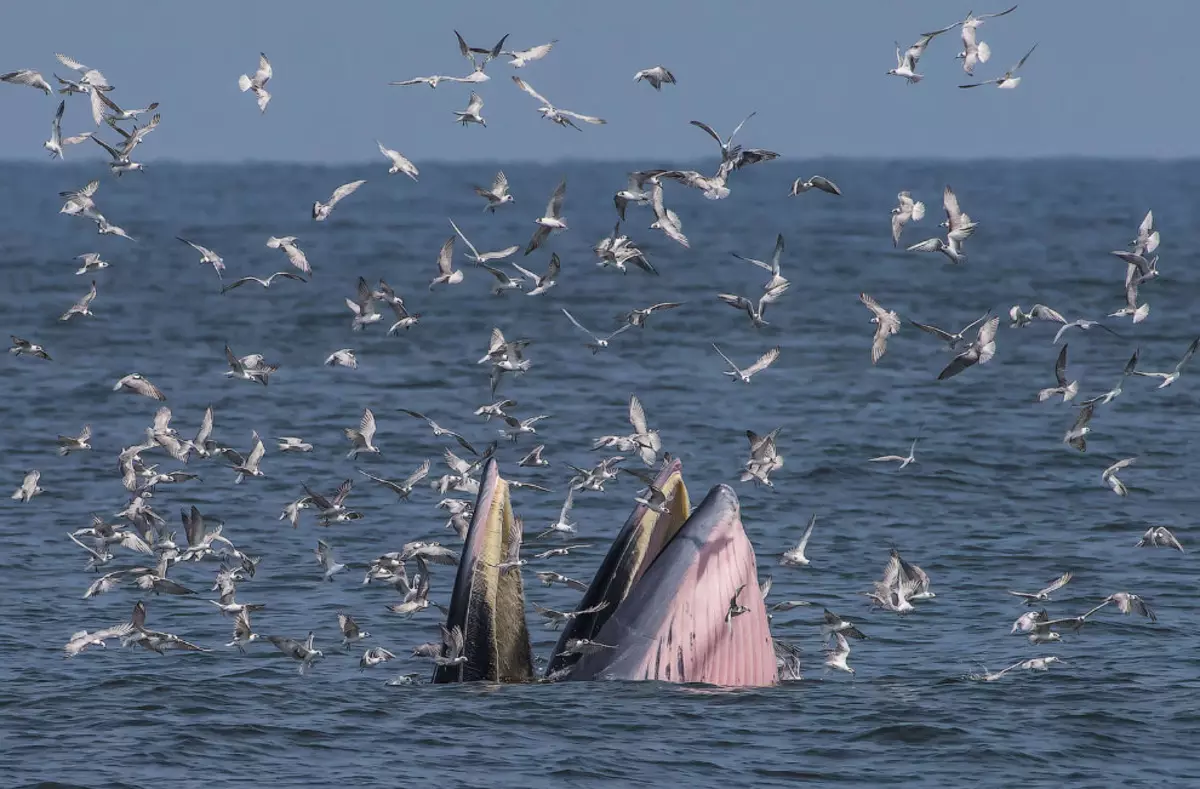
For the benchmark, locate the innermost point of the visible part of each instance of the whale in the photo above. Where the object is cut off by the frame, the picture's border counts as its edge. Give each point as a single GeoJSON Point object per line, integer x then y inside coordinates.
{"type": "Point", "coordinates": [680, 588]}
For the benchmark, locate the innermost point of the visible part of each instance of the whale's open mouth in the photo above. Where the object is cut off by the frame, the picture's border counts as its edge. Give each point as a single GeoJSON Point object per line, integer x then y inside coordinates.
{"type": "Point", "coordinates": [681, 589]}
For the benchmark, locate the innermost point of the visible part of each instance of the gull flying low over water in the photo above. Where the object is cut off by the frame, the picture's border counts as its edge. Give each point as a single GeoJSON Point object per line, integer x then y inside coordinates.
{"type": "Point", "coordinates": [91, 262]}
{"type": "Point", "coordinates": [1076, 436]}
{"type": "Point", "coordinates": [480, 259]}
{"type": "Point", "coordinates": [794, 557]}
{"type": "Point", "coordinates": [56, 142]}
{"type": "Point", "coordinates": [1039, 312]}
{"type": "Point", "coordinates": [321, 211]}
{"type": "Point", "coordinates": [887, 323]}
{"type": "Point", "coordinates": [249, 368]}
{"type": "Point", "coordinates": [207, 256]}
{"type": "Point", "coordinates": [471, 113]}
{"type": "Point", "coordinates": [753, 309]}
{"type": "Point", "coordinates": [980, 351]}
{"type": "Point", "coordinates": [362, 436]}
{"type": "Point", "coordinates": [552, 220]}
{"type": "Point", "coordinates": [400, 164]}
{"type": "Point", "coordinates": [1068, 390]}
{"type": "Point", "coordinates": [1173, 376]}
{"type": "Point", "coordinates": [294, 254]}
{"type": "Point", "coordinates": [81, 307]}
{"type": "Point", "coordinates": [20, 346]}
{"type": "Point", "coordinates": [69, 444]}
{"type": "Point", "coordinates": [800, 186]}
{"type": "Point", "coordinates": [1138, 269]}
{"type": "Point", "coordinates": [550, 112]}
{"type": "Point", "coordinates": [908, 210]}
{"type": "Point", "coordinates": [249, 466]}
{"type": "Point", "coordinates": [27, 77]}
{"type": "Point", "coordinates": [738, 374]}
{"type": "Point", "coordinates": [959, 228]}
{"type": "Point", "coordinates": [1109, 476]}
{"type": "Point", "coordinates": [975, 51]}
{"type": "Point", "coordinates": [439, 431]}
{"type": "Point", "coordinates": [837, 655]}
{"type": "Point", "coordinates": [903, 460]}
{"type": "Point", "coordinates": [302, 652]}
{"type": "Point", "coordinates": [135, 383]}
{"type": "Point", "coordinates": [117, 115]}
{"type": "Point", "coordinates": [405, 488]}
{"type": "Point", "coordinates": [497, 195]}
{"type": "Point", "coordinates": [29, 487]}
{"type": "Point", "coordinates": [952, 340]}
{"type": "Point", "coordinates": [1155, 537]}
{"type": "Point", "coordinates": [342, 358]}
{"type": "Point", "coordinates": [777, 277]}
{"type": "Point", "coordinates": [598, 343]}
{"type": "Point", "coordinates": [656, 77]}
{"type": "Point", "coordinates": [665, 219]}
{"type": "Point", "coordinates": [1009, 80]}
{"type": "Point", "coordinates": [638, 317]}
{"type": "Point", "coordinates": [634, 192]}
{"type": "Point", "coordinates": [1131, 308]}
{"type": "Point", "coordinates": [1043, 595]}
{"type": "Point", "coordinates": [293, 444]}
{"type": "Point", "coordinates": [363, 306]}
{"type": "Point", "coordinates": [1130, 366]}
{"type": "Point", "coordinates": [543, 283]}
{"type": "Point", "coordinates": [266, 283]}
{"type": "Point", "coordinates": [329, 565]}
{"type": "Point", "coordinates": [1081, 324]}
{"type": "Point", "coordinates": [447, 274]}
{"type": "Point", "coordinates": [258, 83]}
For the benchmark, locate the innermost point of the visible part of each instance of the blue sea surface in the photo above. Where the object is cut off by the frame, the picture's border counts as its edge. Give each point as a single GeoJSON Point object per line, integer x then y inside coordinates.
{"type": "Point", "coordinates": [996, 501]}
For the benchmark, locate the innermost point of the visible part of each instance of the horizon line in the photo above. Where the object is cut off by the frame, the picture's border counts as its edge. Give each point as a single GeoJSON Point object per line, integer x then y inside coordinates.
{"type": "Point", "coordinates": [443, 162]}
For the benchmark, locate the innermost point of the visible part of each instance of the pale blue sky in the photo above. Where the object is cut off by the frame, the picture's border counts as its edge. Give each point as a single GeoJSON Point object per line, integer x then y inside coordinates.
{"type": "Point", "coordinates": [1110, 78]}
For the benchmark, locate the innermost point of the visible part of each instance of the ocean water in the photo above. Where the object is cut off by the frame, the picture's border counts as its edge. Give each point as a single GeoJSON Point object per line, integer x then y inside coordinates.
{"type": "Point", "coordinates": [996, 501]}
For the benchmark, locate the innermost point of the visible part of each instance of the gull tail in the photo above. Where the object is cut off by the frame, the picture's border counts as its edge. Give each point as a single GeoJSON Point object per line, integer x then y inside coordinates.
{"type": "Point", "coordinates": [243, 83]}
{"type": "Point", "coordinates": [983, 52]}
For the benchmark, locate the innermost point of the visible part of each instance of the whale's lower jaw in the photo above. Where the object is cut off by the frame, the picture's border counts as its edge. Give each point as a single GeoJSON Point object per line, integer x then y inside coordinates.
{"type": "Point", "coordinates": [673, 624]}
{"type": "Point", "coordinates": [489, 606]}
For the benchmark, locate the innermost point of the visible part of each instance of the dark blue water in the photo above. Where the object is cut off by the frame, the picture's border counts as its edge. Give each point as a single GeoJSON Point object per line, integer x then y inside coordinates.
{"type": "Point", "coordinates": [997, 501]}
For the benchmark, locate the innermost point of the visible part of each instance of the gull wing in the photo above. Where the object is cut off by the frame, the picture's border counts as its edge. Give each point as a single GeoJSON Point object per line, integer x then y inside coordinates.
{"type": "Point", "coordinates": [1057, 583]}
{"type": "Point", "coordinates": [1191, 351]}
{"type": "Point", "coordinates": [585, 118]}
{"type": "Point", "coordinates": [366, 426]}
{"type": "Point", "coordinates": [554, 207]}
{"type": "Point", "coordinates": [345, 190]}
{"type": "Point", "coordinates": [729, 362]}
{"type": "Point", "coordinates": [578, 325]}
{"type": "Point", "coordinates": [934, 330]}
{"type": "Point", "coordinates": [445, 257]}
{"type": "Point", "coordinates": [637, 416]}
{"type": "Point", "coordinates": [1060, 367]}
{"type": "Point", "coordinates": [764, 361]}
{"type": "Point", "coordinates": [523, 85]}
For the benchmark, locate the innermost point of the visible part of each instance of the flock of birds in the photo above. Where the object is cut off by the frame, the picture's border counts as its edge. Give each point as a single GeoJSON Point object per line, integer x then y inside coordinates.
{"type": "Point", "coordinates": [143, 532]}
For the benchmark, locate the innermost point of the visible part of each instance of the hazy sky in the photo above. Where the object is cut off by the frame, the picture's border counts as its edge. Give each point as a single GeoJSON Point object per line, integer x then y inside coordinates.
{"type": "Point", "coordinates": [1110, 77]}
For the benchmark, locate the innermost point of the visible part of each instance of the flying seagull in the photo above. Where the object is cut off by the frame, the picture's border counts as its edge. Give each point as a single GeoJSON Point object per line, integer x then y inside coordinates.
{"type": "Point", "coordinates": [1068, 390]}
{"type": "Point", "coordinates": [1173, 376]}
{"type": "Point", "coordinates": [980, 351]}
{"type": "Point", "coordinates": [321, 211]}
{"type": "Point", "coordinates": [1009, 80]}
{"type": "Point", "coordinates": [550, 112]}
{"type": "Point", "coordinates": [498, 195]}
{"type": "Point", "coordinates": [656, 77]}
{"type": "Point", "coordinates": [738, 374]}
{"type": "Point", "coordinates": [908, 210]}
{"type": "Point", "coordinates": [887, 323]}
{"type": "Point", "coordinates": [552, 220]}
{"type": "Point", "coordinates": [471, 113]}
{"type": "Point", "coordinates": [952, 340]}
{"type": "Point", "coordinates": [400, 163]}
{"type": "Point", "coordinates": [1109, 476]}
{"type": "Point", "coordinates": [902, 460]}
{"type": "Point", "coordinates": [800, 186]}
{"type": "Point", "coordinates": [258, 83]}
